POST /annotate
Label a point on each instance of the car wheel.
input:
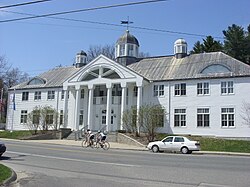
(155, 149)
(184, 150)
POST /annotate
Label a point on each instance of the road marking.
(72, 159)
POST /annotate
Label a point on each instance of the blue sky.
(37, 45)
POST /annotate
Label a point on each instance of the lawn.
(14, 134)
(218, 144)
(5, 173)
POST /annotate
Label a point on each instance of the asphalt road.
(45, 165)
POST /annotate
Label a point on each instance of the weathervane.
(127, 22)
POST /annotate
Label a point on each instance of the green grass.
(14, 134)
(218, 144)
(5, 173)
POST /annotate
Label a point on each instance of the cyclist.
(101, 137)
(91, 137)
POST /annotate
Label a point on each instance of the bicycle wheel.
(106, 146)
(84, 144)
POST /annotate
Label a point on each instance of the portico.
(103, 90)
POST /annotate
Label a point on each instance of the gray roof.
(189, 67)
(157, 69)
(127, 38)
(53, 78)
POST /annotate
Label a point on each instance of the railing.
(116, 100)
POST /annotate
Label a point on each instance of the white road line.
(71, 159)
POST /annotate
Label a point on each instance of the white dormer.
(180, 48)
(81, 59)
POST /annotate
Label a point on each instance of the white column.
(139, 102)
(65, 107)
(108, 109)
(77, 106)
(90, 106)
(123, 103)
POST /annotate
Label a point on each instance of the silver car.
(175, 144)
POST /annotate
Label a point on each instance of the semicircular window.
(36, 81)
(215, 68)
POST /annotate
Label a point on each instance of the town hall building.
(203, 94)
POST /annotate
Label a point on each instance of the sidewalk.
(115, 145)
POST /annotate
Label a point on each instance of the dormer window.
(36, 81)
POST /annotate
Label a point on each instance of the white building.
(203, 94)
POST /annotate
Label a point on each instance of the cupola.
(126, 49)
(81, 59)
(180, 48)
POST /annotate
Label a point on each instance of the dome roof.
(127, 38)
(82, 53)
(180, 41)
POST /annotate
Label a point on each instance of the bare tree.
(42, 117)
(150, 118)
(108, 51)
(96, 50)
(129, 120)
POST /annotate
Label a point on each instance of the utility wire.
(116, 25)
(22, 4)
(83, 10)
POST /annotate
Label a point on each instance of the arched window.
(215, 68)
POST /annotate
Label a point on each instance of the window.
(82, 93)
(158, 117)
(51, 95)
(227, 117)
(24, 114)
(178, 139)
(81, 117)
(49, 118)
(203, 117)
(61, 117)
(180, 117)
(104, 119)
(130, 50)
(36, 117)
(180, 89)
(122, 50)
(158, 90)
(135, 91)
(37, 96)
(203, 88)
(168, 139)
(25, 96)
(227, 87)
(63, 93)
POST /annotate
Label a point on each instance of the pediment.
(103, 68)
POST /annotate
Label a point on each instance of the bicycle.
(103, 144)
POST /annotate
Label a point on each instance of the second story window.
(25, 96)
(180, 89)
(203, 88)
(62, 94)
(227, 87)
(51, 95)
(158, 90)
(37, 96)
(82, 93)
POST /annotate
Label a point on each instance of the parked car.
(175, 144)
(2, 148)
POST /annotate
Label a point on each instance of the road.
(41, 165)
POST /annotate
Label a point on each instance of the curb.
(12, 178)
